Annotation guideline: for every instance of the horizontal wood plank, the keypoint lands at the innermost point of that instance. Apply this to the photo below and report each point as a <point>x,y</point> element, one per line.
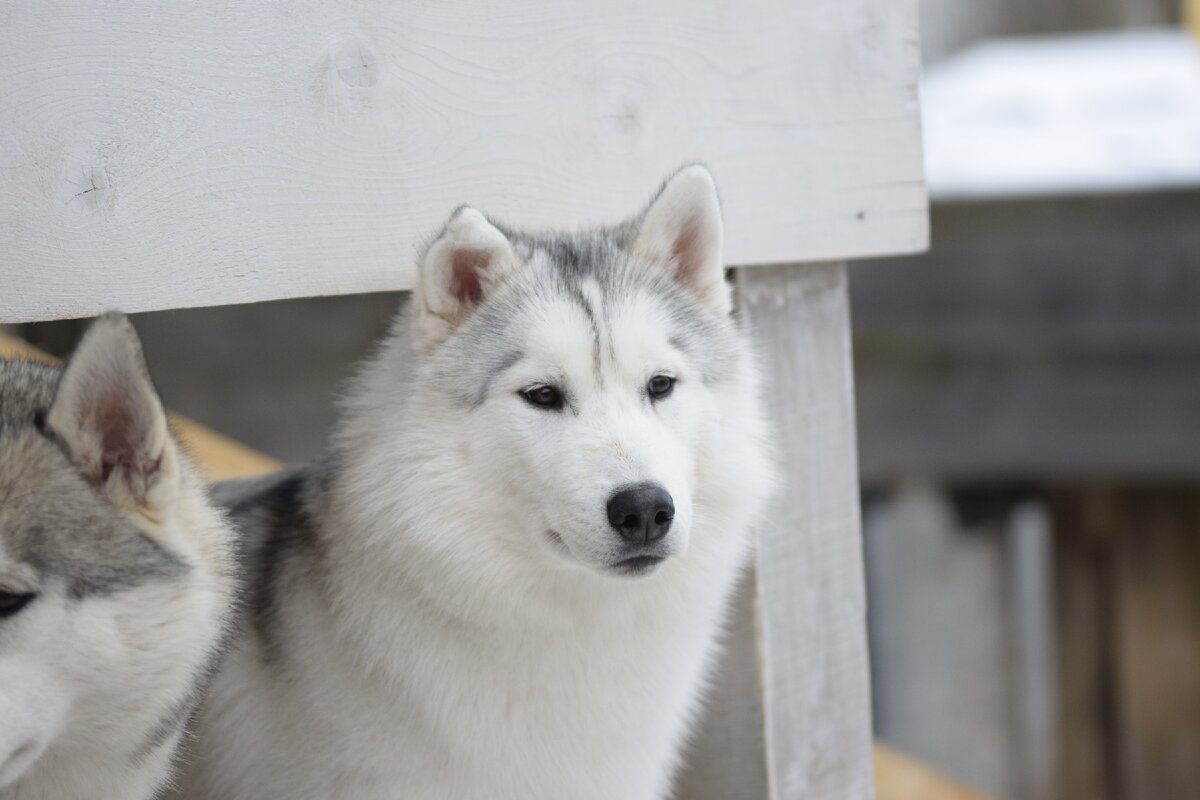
<point>203,156</point>
<point>1055,339</point>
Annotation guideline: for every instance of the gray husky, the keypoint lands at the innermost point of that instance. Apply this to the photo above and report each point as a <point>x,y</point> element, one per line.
<point>116,577</point>
<point>506,581</point>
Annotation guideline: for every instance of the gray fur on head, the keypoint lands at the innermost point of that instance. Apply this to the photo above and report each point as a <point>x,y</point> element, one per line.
<point>54,514</point>
<point>478,275</point>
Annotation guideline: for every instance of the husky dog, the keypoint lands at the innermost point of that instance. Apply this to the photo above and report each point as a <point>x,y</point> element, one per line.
<point>507,579</point>
<point>116,577</point>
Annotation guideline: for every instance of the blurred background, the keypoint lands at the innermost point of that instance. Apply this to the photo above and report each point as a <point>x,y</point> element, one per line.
<point>1029,408</point>
<point>1029,404</point>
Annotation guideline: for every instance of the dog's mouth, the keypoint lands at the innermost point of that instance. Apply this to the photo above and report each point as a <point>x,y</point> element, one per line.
<point>635,566</point>
<point>638,565</point>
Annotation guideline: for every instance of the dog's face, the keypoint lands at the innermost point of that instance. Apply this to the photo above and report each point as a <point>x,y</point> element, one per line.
<point>82,462</point>
<point>582,370</point>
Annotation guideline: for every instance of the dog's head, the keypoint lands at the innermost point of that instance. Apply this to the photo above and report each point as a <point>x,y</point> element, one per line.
<point>90,497</point>
<point>581,371</point>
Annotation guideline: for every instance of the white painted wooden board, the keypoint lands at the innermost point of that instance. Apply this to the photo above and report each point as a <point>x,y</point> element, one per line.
<point>187,154</point>
<point>811,596</point>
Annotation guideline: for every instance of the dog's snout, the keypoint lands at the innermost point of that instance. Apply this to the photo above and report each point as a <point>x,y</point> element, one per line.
<point>641,513</point>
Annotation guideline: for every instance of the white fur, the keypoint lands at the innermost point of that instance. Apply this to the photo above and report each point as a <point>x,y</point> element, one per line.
<point>85,681</point>
<point>451,649</point>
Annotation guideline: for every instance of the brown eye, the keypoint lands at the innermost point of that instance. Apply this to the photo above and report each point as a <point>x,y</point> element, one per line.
<point>660,386</point>
<point>12,603</point>
<point>548,397</point>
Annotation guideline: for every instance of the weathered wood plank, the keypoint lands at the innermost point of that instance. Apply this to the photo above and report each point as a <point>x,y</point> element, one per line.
<point>202,156</point>
<point>939,635</point>
<point>1156,572</point>
<point>1043,339</point>
<point>812,609</point>
<point>1129,621</point>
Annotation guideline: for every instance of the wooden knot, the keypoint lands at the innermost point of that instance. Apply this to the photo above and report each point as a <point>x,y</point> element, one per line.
<point>356,65</point>
<point>86,186</point>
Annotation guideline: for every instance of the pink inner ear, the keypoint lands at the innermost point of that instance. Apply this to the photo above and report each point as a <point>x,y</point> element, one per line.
<point>465,282</point>
<point>684,251</point>
<point>116,440</point>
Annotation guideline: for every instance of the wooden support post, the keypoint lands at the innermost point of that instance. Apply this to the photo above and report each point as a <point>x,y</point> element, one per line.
<point>810,599</point>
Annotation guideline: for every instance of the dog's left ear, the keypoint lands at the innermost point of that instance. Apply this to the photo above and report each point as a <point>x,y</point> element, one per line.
<point>109,417</point>
<point>464,264</point>
<point>681,230</point>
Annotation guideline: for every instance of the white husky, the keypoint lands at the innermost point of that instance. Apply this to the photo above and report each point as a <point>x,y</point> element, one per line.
<point>116,577</point>
<point>506,581</point>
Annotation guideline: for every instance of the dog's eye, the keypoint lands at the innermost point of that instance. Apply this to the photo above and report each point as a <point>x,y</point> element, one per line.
<point>660,386</point>
<point>11,602</point>
<point>548,397</point>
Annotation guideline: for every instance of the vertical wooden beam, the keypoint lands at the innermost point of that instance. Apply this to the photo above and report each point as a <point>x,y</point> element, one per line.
<point>811,600</point>
<point>1129,616</point>
<point>1156,619</point>
<point>1087,766</point>
<point>1029,548</point>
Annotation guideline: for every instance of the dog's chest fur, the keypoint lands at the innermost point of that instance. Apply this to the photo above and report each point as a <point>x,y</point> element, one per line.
<point>359,679</point>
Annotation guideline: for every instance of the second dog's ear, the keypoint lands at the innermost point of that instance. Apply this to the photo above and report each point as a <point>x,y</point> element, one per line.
<point>681,230</point>
<point>468,259</point>
<point>109,417</point>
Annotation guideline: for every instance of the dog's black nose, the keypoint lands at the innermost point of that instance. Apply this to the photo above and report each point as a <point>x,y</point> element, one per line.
<point>641,513</point>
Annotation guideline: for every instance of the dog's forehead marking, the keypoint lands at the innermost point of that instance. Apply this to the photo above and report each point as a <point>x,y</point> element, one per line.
<point>584,297</point>
<point>588,296</point>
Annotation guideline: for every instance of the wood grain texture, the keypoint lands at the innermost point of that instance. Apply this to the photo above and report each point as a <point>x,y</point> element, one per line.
<point>205,155</point>
<point>811,603</point>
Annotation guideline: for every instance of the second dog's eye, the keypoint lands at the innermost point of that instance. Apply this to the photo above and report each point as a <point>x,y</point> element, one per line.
<point>548,397</point>
<point>11,603</point>
<point>660,386</point>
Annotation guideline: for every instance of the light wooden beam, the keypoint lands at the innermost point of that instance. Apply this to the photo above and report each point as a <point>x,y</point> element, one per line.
<point>210,157</point>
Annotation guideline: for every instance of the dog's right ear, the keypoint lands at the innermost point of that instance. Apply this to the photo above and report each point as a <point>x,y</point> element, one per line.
<point>109,417</point>
<point>468,259</point>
